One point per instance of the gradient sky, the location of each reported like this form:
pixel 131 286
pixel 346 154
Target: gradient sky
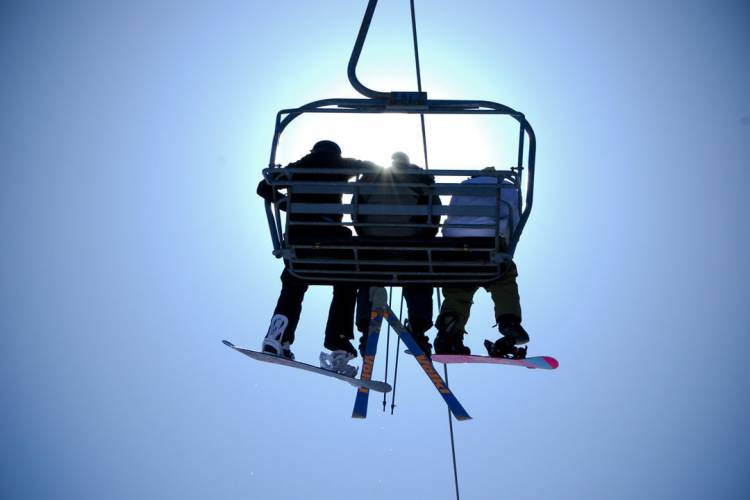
pixel 132 135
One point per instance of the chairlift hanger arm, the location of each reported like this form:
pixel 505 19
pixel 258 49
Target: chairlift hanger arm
pixel 357 50
pixel 394 98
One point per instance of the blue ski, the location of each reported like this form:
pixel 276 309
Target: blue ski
pixel 379 305
pixel 450 399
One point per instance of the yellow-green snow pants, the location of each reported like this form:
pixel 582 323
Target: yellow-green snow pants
pixel 504 291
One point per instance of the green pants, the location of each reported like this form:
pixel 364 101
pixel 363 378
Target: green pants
pixel 504 291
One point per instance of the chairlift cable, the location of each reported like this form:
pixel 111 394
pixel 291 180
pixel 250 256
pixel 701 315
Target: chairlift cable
pixel 453 446
pixel 427 166
pixel 450 417
pixel 419 80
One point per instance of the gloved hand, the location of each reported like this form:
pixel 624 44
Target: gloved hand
pixel 267 192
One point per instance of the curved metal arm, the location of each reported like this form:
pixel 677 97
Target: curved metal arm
pixel 357 50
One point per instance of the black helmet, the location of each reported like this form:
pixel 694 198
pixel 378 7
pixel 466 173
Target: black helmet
pixel 400 158
pixel 326 147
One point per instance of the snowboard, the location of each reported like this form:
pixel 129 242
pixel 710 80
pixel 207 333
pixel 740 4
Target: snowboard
pixel 543 362
pixel 374 385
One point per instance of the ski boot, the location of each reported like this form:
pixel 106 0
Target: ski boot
pixel 272 343
pixel 340 343
pixel 449 339
pixel 513 335
pixel 421 339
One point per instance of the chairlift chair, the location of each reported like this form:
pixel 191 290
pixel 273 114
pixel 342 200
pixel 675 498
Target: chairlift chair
pixel 378 261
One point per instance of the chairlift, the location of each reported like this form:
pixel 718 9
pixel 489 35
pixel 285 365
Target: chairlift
pixel 382 261
pixel 376 261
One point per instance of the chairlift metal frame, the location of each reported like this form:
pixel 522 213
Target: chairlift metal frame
pixel 391 263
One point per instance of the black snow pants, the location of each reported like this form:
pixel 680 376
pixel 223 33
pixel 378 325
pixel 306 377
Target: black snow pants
pixel 340 314
pixel 418 304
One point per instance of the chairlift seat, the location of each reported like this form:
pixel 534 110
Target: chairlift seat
pixel 387 261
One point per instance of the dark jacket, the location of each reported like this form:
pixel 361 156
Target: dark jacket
pixel 397 174
pixel 316 160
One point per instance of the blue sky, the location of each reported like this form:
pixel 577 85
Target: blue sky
pixel 132 137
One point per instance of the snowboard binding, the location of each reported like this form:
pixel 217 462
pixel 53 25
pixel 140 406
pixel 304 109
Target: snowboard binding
pixel 504 348
pixel 276 348
pixel 338 361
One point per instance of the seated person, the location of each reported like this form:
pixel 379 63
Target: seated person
pixel 339 331
pixel 401 171
pixel 418 297
pixel 454 313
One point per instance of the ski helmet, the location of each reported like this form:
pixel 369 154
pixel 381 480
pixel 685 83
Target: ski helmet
pixel 400 158
pixel 326 147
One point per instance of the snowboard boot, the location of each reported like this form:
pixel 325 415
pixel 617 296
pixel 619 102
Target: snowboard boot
pixel 510 326
pixel 340 343
pixel 513 335
pixel 449 339
pixel 273 343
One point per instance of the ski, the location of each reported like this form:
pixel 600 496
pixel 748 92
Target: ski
pixel 543 362
pixel 379 300
pixel 450 399
pixel 366 384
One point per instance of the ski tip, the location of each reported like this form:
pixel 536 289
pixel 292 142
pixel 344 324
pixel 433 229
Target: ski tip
pixel 553 363
pixel 227 343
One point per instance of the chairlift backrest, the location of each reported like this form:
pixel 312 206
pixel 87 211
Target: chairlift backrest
pixel 401 184
pixel 388 244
